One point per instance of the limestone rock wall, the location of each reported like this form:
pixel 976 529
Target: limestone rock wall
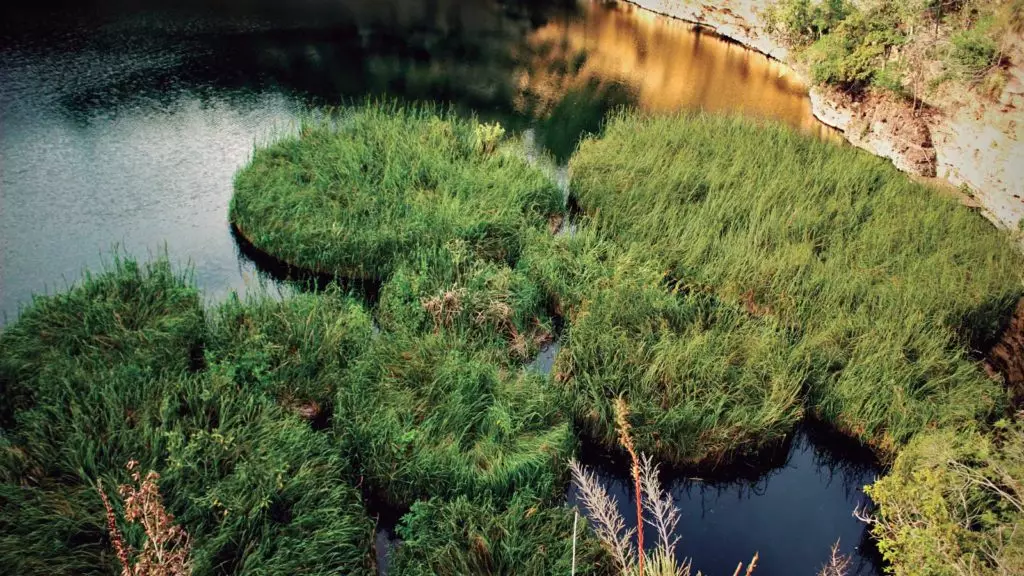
pixel 974 143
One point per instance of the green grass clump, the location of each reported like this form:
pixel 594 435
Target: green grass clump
pixel 146 317
pixel 889 285
pixel 430 416
pixel 701 378
pixel 441 405
pixel 486 304
pixel 359 196
pixel 524 536
pixel 297 350
pixel 106 373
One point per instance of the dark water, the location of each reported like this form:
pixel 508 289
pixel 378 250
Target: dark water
pixel 123 123
pixel 790 507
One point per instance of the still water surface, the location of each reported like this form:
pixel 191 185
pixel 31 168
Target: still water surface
pixel 123 123
pixel 790 506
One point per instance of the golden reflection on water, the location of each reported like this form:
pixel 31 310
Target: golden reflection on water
pixel 664 64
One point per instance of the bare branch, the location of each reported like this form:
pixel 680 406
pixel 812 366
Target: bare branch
pixel 838 564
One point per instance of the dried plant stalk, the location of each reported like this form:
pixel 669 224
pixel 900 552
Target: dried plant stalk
pixel 167 548
pixel 607 522
pixel 662 513
pixel 838 564
pixel 622 423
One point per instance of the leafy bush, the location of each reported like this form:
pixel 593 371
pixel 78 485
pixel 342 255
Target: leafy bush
pixel 953 504
pixel 853 55
pixel 804 21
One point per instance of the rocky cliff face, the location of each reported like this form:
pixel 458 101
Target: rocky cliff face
pixel 967 142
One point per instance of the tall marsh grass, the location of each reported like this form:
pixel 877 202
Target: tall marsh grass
pixel 724 278
pixel 703 378
pixel 107 372
pixel 890 286
pixel 361 194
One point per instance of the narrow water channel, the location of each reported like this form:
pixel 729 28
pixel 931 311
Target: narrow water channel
pixel 790 505
pixel 123 123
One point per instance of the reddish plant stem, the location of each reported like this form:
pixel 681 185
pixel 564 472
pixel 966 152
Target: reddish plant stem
pixel 621 411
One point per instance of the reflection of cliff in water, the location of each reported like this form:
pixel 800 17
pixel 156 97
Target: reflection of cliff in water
pixel 456 51
pixel 563 63
pixel 663 64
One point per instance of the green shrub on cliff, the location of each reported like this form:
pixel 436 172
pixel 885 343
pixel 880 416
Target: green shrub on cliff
pixel 804 21
pixel 898 46
pixel 854 54
pixel 974 51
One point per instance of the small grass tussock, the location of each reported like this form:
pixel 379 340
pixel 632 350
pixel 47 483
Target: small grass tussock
pixel 486 303
pixel 524 535
pixel 887 286
pixel 703 378
pixel 296 350
pixel 362 194
pixel 429 415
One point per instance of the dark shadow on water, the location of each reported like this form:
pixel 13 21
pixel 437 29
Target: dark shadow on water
pixel 579 113
pixel 790 504
pixel 280 271
pixel 385 535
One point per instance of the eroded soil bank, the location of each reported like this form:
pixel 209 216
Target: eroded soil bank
pixel 1007 356
pixel 957 140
